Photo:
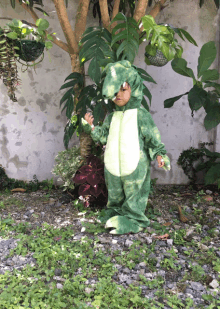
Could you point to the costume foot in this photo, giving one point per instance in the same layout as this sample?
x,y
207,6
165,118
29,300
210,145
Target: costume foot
x,y
106,214
123,225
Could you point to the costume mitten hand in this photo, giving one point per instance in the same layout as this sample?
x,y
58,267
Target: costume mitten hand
x,y
86,126
166,166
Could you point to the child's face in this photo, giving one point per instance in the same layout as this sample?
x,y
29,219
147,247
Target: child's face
x,y
124,95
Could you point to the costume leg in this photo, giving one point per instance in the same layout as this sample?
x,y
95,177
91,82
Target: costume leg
x,y
116,196
136,189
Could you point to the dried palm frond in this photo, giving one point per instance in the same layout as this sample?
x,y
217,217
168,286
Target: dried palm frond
x,y
8,66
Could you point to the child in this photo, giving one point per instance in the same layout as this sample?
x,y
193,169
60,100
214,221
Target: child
x,y
132,142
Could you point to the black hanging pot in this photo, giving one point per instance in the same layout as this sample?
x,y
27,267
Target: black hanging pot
x,y
158,60
29,50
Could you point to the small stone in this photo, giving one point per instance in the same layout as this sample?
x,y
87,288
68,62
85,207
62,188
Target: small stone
x,y
89,290
128,243
214,284
170,285
170,242
149,240
197,286
142,264
57,272
59,286
177,227
208,192
189,231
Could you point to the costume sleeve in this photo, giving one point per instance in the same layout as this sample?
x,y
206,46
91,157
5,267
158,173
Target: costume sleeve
x,y
100,133
152,139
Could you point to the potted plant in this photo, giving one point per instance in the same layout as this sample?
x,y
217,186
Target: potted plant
x,y
162,47
20,41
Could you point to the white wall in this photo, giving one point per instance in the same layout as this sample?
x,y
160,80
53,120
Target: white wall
x,y
32,130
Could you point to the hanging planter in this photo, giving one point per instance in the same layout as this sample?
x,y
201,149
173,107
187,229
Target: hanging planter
x,y
21,41
29,50
163,47
158,60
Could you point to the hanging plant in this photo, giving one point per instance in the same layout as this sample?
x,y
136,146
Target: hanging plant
x,y
8,66
21,41
162,47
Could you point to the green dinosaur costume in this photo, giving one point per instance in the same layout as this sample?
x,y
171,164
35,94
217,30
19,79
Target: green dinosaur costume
x,y
132,142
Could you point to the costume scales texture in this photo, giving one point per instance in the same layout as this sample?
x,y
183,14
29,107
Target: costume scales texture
x,y
132,141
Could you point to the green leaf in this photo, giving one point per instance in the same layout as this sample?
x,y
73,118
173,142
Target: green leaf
x,y
48,45
12,35
70,107
66,96
69,84
201,2
119,16
188,36
148,22
42,24
215,85
211,176
144,103
146,76
68,133
89,36
208,54
41,10
169,102
13,4
197,97
217,3
77,76
179,65
98,113
147,93
210,75
212,119
94,69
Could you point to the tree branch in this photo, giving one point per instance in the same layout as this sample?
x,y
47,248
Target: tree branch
x,y
66,27
115,12
81,17
105,15
155,11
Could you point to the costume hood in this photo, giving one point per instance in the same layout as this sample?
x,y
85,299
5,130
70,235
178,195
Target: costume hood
x,y
116,74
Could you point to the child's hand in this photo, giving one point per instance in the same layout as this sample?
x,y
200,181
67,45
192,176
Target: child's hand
x,y
160,164
89,118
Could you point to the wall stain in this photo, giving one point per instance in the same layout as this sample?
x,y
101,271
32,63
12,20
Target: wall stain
x,y
18,144
37,153
22,101
18,164
44,129
54,132
25,119
4,112
4,142
26,110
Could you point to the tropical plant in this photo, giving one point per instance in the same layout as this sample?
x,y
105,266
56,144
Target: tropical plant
x,y
161,37
14,47
197,96
211,168
67,164
92,187
71,46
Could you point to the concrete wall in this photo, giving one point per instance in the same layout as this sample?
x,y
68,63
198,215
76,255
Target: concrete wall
x,y
31,131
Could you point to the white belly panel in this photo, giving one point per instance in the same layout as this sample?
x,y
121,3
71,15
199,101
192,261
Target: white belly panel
x,y
129,143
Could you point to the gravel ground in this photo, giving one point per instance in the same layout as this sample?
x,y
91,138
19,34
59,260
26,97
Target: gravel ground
x,y
58,212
